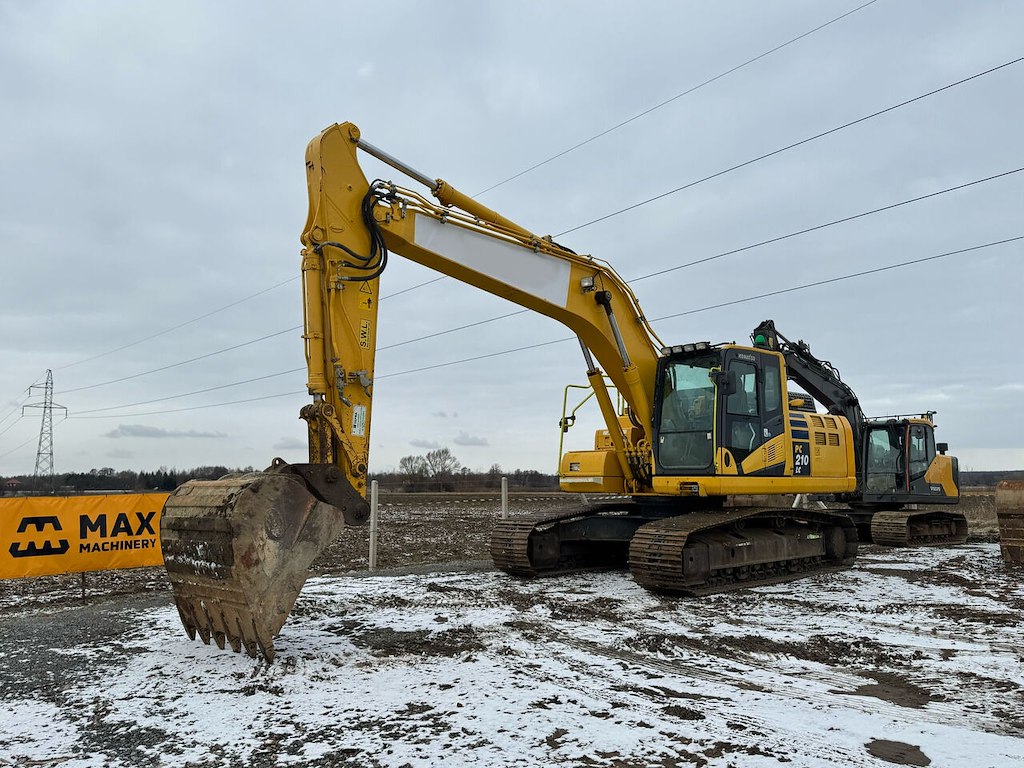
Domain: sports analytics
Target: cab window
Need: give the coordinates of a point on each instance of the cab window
(687, 414)
(772, 387)
(743, 402)
(919, 449)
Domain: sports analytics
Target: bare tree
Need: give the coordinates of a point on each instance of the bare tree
(441, 465)
(413, 466)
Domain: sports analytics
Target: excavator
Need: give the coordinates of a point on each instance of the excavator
(899, 465)
(701, 422)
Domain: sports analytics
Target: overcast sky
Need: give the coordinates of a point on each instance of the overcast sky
(153, 173)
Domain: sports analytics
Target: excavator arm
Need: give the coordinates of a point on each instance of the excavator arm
(819, 377)
(238, 550)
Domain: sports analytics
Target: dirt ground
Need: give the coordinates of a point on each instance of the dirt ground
(912, 658)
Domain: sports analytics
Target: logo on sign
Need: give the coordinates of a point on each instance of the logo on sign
(34, 548)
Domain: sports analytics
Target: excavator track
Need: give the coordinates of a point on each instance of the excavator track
(538, 545)
(918, 528)
(696, 553)
(706, 552)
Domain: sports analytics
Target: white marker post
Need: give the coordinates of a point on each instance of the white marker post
(504, 498)
(373, 525)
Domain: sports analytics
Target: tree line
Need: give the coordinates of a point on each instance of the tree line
(435, 471)
(109, 479)
(440, 471)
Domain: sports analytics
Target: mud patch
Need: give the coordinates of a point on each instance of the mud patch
(820, 649)
(896, 690)
(966, 613)
(897, 752)
(683, 713)
(420, 642)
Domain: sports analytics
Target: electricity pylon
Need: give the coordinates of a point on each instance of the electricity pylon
(44, 454)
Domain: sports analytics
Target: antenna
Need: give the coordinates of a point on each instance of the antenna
(44, 454)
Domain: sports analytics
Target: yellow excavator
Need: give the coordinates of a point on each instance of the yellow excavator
(701, 422)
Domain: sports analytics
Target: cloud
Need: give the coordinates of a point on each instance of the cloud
(440, 414)
(463, 439)
(141, 430)
(118, 453)
(429, 445)
(289, 444)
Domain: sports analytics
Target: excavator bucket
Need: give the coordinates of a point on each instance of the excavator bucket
(238, 550)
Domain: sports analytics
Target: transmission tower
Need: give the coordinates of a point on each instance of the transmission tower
(44, 454)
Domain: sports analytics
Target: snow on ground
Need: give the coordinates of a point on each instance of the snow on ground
(912, 656)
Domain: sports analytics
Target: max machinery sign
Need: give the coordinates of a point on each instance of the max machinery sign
(71, 534)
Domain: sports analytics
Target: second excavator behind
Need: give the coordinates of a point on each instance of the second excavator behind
(701, 422)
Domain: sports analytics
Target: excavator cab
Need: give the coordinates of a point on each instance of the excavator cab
(724, 420)
(904, 465)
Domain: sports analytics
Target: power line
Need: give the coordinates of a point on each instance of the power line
(789, 146)
(817, 227)
(843, 277)
(412, 288)
(759, 158)
(477, 323)
(725, 304)
(176, 327)
(688, 91)
(706, 259)
(217, 352)
(478, 357)
(183, 362)
(564, 152)
(31, 439)
(8, 427)
(193, 407)
(573, 338)
(452, 330)
(17, 407)
(573, 229)
(189, 394)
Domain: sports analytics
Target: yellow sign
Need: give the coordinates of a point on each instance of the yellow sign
(44, 535)
(366, 296)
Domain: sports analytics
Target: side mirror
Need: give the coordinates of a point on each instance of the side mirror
(727, 382)
(942, 448)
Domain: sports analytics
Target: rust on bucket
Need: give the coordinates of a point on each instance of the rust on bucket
(1010, 513)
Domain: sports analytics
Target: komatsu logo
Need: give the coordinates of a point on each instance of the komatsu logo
(35, 548)
(123, 526)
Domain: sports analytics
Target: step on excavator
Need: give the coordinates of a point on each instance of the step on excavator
(701, 422)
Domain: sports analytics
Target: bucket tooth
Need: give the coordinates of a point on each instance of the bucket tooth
(204, 632)
(265, 642)
(187, 616)
(251, 648)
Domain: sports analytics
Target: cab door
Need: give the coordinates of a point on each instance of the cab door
(751, 414)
